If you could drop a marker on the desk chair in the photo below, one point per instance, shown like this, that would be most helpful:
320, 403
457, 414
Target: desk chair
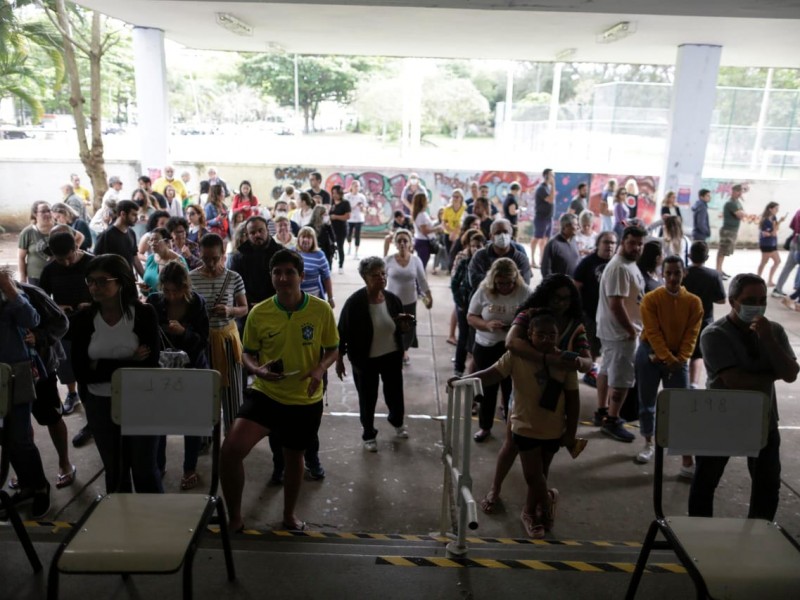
151, 533
5, 500
726, 558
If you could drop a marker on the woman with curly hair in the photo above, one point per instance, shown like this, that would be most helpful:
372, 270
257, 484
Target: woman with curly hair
197, 222
558, 294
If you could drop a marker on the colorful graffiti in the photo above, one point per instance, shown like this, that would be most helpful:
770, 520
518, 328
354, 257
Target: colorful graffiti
296, 176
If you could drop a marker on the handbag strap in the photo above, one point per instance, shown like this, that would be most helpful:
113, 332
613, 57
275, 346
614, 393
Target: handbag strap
164, 338
221, 294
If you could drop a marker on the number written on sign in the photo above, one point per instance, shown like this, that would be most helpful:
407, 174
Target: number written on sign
709, 404
165, 384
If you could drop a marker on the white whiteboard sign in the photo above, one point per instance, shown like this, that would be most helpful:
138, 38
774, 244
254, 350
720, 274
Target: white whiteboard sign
165, 401
712, 422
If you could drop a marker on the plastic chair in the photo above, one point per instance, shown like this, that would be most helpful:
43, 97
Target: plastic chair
151, 533
5, 499
726, 558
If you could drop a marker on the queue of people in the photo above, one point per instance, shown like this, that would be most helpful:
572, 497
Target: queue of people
626, 311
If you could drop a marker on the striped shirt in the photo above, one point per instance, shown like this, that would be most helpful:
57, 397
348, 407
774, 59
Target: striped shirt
316, 270
211, 288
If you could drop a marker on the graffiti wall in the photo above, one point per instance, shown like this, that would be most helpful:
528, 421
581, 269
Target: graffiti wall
383, 188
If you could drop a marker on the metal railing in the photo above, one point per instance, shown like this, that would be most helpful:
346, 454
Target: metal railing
456, 459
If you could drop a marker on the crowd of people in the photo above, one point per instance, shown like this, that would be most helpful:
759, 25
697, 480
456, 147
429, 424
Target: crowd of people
248, 290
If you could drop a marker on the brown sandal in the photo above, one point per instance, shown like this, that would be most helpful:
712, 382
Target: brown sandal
189, 482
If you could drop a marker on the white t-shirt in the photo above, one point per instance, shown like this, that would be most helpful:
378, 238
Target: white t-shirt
621, 277
111, 341
403, 281
302, 219
383, 328
423, 218
585, 243
358, 206
496, 307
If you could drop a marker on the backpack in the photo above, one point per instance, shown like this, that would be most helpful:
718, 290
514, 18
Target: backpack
53, 325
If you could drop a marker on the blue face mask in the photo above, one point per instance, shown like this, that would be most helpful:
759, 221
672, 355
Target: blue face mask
748, 312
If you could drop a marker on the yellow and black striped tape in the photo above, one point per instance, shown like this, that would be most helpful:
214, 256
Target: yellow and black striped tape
533, 565
55, 526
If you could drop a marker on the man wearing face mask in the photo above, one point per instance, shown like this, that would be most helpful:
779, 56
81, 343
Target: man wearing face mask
500, 246
745, 351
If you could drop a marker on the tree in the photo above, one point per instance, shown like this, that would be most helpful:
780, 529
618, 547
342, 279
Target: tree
20, 76
93, 47
320, 78
454, 103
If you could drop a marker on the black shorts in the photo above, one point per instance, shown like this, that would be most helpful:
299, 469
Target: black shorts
46, 408
526, 443
768, 249
293, 426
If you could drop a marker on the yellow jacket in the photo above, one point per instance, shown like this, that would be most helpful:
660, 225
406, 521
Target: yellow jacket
671, 324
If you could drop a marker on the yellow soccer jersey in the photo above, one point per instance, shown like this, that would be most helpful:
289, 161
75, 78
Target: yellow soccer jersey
297, 337
83, 193
180, 189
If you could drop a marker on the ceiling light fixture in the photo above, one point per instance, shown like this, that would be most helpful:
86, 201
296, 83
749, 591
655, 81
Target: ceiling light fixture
616, 32
565, 55
234, 25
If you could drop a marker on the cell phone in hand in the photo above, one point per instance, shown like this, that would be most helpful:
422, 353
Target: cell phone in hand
569, 355
277, 366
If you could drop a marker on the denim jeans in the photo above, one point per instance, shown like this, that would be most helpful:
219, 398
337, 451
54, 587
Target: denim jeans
791, 263
648, 376
22, 451
765, 475
124, 459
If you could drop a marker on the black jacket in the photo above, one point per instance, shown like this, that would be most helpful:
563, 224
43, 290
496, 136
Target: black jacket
194, 340
253, 265
355, 326
81, 326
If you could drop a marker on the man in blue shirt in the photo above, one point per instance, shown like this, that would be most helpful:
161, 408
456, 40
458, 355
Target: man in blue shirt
544, 202
701, 231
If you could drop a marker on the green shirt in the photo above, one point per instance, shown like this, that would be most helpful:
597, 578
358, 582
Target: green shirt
35, 242
729, 219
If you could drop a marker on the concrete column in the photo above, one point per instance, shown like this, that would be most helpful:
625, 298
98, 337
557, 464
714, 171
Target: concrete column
150, 71
693, 96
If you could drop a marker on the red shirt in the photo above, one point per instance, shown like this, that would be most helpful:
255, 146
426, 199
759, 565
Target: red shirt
245, 206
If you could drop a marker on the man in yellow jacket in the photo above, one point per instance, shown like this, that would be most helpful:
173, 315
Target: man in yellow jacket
671, 319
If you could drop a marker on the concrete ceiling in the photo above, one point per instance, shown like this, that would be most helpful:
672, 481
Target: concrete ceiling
752, 33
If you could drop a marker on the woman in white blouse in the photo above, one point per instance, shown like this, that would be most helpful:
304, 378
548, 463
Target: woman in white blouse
424, 229
405, 274
302, 216
358, 210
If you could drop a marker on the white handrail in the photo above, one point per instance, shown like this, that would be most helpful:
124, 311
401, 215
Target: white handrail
456, 459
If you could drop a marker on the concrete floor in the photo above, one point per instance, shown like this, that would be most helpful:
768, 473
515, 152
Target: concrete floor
604, 496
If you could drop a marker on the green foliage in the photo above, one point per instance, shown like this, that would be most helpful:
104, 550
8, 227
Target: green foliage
320, 78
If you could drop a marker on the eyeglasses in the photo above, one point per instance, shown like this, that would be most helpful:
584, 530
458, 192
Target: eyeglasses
99, 281
46, 211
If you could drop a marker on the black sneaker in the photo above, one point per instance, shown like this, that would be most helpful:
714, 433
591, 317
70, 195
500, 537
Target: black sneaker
599, 417
70, 402
614, 428
315, 472
41, 504
82, 437
21, 498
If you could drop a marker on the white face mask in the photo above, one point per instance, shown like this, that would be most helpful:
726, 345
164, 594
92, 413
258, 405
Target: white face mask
502, 240
748, 312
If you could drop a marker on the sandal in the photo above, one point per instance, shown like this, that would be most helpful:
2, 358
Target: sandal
299, 526
189, 481
489, 501
66, 479
13, 483
532, 530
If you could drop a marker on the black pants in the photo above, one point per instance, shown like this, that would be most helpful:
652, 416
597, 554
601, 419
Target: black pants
463, 338
765, 473
354, 228
388, 368
485, 357
22, 452
340, 233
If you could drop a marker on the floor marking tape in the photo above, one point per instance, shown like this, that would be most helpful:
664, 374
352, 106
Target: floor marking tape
574, 566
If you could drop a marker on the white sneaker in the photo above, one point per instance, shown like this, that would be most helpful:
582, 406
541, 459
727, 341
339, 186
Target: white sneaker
371, 445
646, 455
341, 271
686, 472
401, 432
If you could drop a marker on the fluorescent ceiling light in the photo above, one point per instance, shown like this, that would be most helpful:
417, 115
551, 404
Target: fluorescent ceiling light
616, 32
234, 25
565, 55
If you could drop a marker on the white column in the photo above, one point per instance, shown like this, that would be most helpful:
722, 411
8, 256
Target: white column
150, 71
694, 93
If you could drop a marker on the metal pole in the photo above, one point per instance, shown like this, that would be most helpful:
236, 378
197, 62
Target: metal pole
296, 91
762, 119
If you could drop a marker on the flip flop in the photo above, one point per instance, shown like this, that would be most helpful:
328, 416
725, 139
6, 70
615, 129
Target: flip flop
489, 501
189, 482
66, 479
293, 526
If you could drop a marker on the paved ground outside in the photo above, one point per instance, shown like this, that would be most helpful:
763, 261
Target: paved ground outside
605, 496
